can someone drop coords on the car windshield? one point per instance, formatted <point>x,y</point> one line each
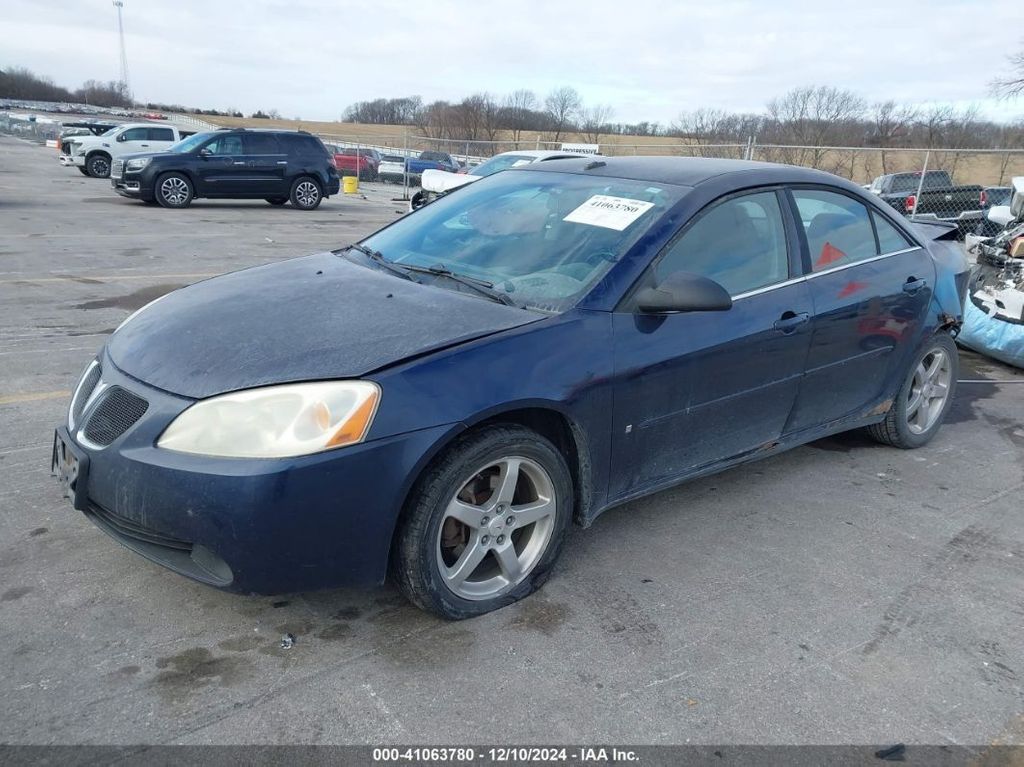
<point>543,238</point>
<point>190,143</point>
<point>501,162</point>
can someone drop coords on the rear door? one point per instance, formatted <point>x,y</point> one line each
<point>871,286</point>
<point>160,138</point>
<point>696,388</point>
<point>221,168</point>
<point>266,163</point>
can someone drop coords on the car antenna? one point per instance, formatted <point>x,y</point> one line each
<point>594,164</point>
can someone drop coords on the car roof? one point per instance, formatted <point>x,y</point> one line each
<point>683,171</point>
<point>539,154</point>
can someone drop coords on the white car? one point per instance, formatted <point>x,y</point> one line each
<point>438,182</point>
<point>94,155</point>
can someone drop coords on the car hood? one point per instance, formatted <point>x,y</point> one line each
<point>443,181</point>
<point>313,318</point>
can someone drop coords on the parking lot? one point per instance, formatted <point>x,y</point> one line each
<point>843,592</point>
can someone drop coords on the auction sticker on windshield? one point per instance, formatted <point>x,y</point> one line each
<point>610,212</point>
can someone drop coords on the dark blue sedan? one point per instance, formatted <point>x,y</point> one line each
<point>442,399</point>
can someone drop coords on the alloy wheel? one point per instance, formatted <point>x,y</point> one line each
<point>307,194</point>
<point>929,390</point>
<point>496,528</point>
<point>174,190</point>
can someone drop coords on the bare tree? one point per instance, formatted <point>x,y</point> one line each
<point>1013,84</point>
<point>814,117</point>
<point>891,123</point>
<point>518,111</point>
<point>594,121</point>
<point>561,105</point>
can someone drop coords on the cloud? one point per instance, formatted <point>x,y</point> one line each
<point>648,60</point>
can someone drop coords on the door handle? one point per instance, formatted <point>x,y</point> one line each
<point>282,162</point>
<point>239,163</point>
<point>790,321</point>
<point>912,285</point>
<point>143,144</point>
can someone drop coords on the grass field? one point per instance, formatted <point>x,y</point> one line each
<point>858,164</point>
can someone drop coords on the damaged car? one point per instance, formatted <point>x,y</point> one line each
<point>443,399</point>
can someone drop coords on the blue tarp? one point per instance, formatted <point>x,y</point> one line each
<point>992,337</point>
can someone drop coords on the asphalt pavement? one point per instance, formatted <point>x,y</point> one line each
<point>843,592</point>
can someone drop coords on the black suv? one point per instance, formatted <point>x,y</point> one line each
<point>233,163</point>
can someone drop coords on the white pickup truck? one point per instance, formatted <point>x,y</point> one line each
<point>94,155</point>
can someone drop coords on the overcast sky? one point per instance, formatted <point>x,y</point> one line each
<point>648,60</point>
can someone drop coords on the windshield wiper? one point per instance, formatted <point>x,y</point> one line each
<point>482,287</point>
<point>378,258</point>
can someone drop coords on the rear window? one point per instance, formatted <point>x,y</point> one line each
<point>436,156</point>
<point>261,143</point>
<point>392,158</point>
<point>909,182</point>
<point>303,144</point>
<point>161,134</point>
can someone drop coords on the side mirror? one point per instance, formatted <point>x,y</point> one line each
<point>204,153</point>
<point>122,136</point>
<point>684,292</point>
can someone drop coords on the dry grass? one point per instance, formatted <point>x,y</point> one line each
<point>860,165</point>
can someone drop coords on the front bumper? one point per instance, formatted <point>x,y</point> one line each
<point>256,526</point>
<point>66,160</point>
<point>133,185</point>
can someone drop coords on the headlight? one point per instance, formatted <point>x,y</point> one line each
<point>276,421</point>
<point>137,164</point>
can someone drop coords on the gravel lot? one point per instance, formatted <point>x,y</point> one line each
<point>840,593</point>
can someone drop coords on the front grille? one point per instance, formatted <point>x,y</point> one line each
<point>118,169</point>
<point>132,529</point>
<point>117,411</point>
<point>85,388</point>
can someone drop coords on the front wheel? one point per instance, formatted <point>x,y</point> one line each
<point>174,190</point>
<point>485,524</point>
<point>925,397</point>
<point>82,170</point>
<point>306,194</point>
<point>98,166</point>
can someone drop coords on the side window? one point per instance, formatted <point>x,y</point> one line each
<point>161,134</point>
<point>838,228</point>
<point>890,239</point>
<point>225,145</point>
<point>135,134</point>
<point>739,243</point>
<point>261,143</point>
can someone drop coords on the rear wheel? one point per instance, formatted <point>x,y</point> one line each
<point>277,200</point>
<point>174,190</point>
<point>925,397</point>
<point>485,524</point>
<point>306,193</point>
<point>98,166</point>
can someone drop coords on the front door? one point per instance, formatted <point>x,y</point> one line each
<point>134,140</point>
<point>221,169</point>
<point>871,287</point>
<point>696,388</point>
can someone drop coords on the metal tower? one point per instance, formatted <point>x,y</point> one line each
<point>119,4</point>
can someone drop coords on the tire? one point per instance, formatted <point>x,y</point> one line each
<point>306,193</point>
<point>497,567</point>
<point>920,406</point>
<point>98,166</point>
<point>82,170</point>
<point>277,200</point>
<point>174,190</point>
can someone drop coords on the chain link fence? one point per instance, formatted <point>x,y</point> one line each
<point>949,184</point>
